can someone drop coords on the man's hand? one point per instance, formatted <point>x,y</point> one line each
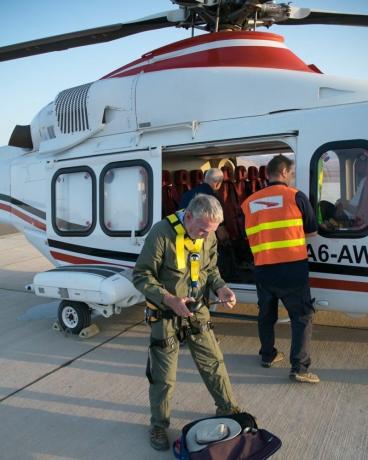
<point>178,304</point>
<point>227,296</point>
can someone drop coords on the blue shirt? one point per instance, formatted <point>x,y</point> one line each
<point>190,194</point>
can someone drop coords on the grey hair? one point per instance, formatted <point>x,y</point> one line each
<point>206,206</point>
<point>213,175</point>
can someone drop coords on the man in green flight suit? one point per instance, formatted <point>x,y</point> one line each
<point>175,271</point>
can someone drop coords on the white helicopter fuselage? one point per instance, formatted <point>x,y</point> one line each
<point>202,102</point>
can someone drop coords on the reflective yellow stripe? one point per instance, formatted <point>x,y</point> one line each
<point>274,224</point>
<point>277,245</point>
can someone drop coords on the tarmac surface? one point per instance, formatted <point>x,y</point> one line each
<point>64,398</point>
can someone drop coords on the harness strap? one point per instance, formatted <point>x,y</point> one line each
<point>187,330</point>
<point>202,327</point>
<point>183,332</point>
<point>164,343</point>
<point>155,314</point>
<point>194,247</point>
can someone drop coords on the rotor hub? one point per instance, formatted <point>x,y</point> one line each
<point>233,14</point>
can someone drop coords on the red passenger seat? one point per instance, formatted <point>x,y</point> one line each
<point>263,176</point>
<point>170,197</point>
<point>233,215</point>
<point>182,182</point>
<point>253,179</point>
<point>196,177</point>
<point>241,184</point>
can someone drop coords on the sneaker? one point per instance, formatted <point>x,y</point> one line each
<point>306,377</point>
<point>279,357</point>
<point>159,439</point>
<point>229,411</point>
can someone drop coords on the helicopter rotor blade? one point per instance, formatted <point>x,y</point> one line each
<point>91,36</point>
<point>191,13</point>
<point>299,16</point>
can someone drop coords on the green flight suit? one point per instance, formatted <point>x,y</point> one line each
<point>155,274</point>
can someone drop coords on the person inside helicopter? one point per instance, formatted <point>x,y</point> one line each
<point>351,213</point>
<point>353,209</point>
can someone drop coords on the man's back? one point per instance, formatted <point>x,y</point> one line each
<point>269,212</point>
<point>190,194</point>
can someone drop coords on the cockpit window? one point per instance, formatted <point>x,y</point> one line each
<point>342,190</point>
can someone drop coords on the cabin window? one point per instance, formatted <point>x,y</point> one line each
<point>73,210</point>
<point>341,188</point>
<point>125,198</point>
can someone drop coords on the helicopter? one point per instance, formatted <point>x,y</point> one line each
<point>101,163</point>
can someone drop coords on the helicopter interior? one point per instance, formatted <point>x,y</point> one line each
<point>338,190</point>
<point>244,169</point>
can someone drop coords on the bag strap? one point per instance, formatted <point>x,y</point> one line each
<point>178,450</point>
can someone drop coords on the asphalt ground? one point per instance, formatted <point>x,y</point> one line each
<point>63,397</point>
<point>6,229</point>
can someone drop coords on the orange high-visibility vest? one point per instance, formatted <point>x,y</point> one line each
<point>274,226</point>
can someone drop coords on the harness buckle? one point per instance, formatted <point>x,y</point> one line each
<point>151,316</point>
<point>195,257</point>
<point>195,306</point>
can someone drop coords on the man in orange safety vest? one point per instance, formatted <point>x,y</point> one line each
<point>278,218</point>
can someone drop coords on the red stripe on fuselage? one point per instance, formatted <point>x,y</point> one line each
<point>196,41</point>
<point>81,260</point>
<point>25,217</point>
<point>5,207</point>
<point>232,56</point>
<point>338,285</point>
<point>214,37</point>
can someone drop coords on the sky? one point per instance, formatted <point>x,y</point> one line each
<point>28,84</point>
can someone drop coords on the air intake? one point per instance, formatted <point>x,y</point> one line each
<point>21,137</point>
<point>71,109</point>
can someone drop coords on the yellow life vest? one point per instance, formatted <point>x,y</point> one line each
<point>194,247</point>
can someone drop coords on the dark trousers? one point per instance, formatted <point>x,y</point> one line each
<point>298,303</point>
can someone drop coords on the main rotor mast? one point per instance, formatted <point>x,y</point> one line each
<point>217,15</point>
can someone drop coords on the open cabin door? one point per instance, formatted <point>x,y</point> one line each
<point>243,161</point>
<point>101,207</point>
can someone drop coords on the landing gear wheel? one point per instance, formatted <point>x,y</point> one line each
<point>74,316</point>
